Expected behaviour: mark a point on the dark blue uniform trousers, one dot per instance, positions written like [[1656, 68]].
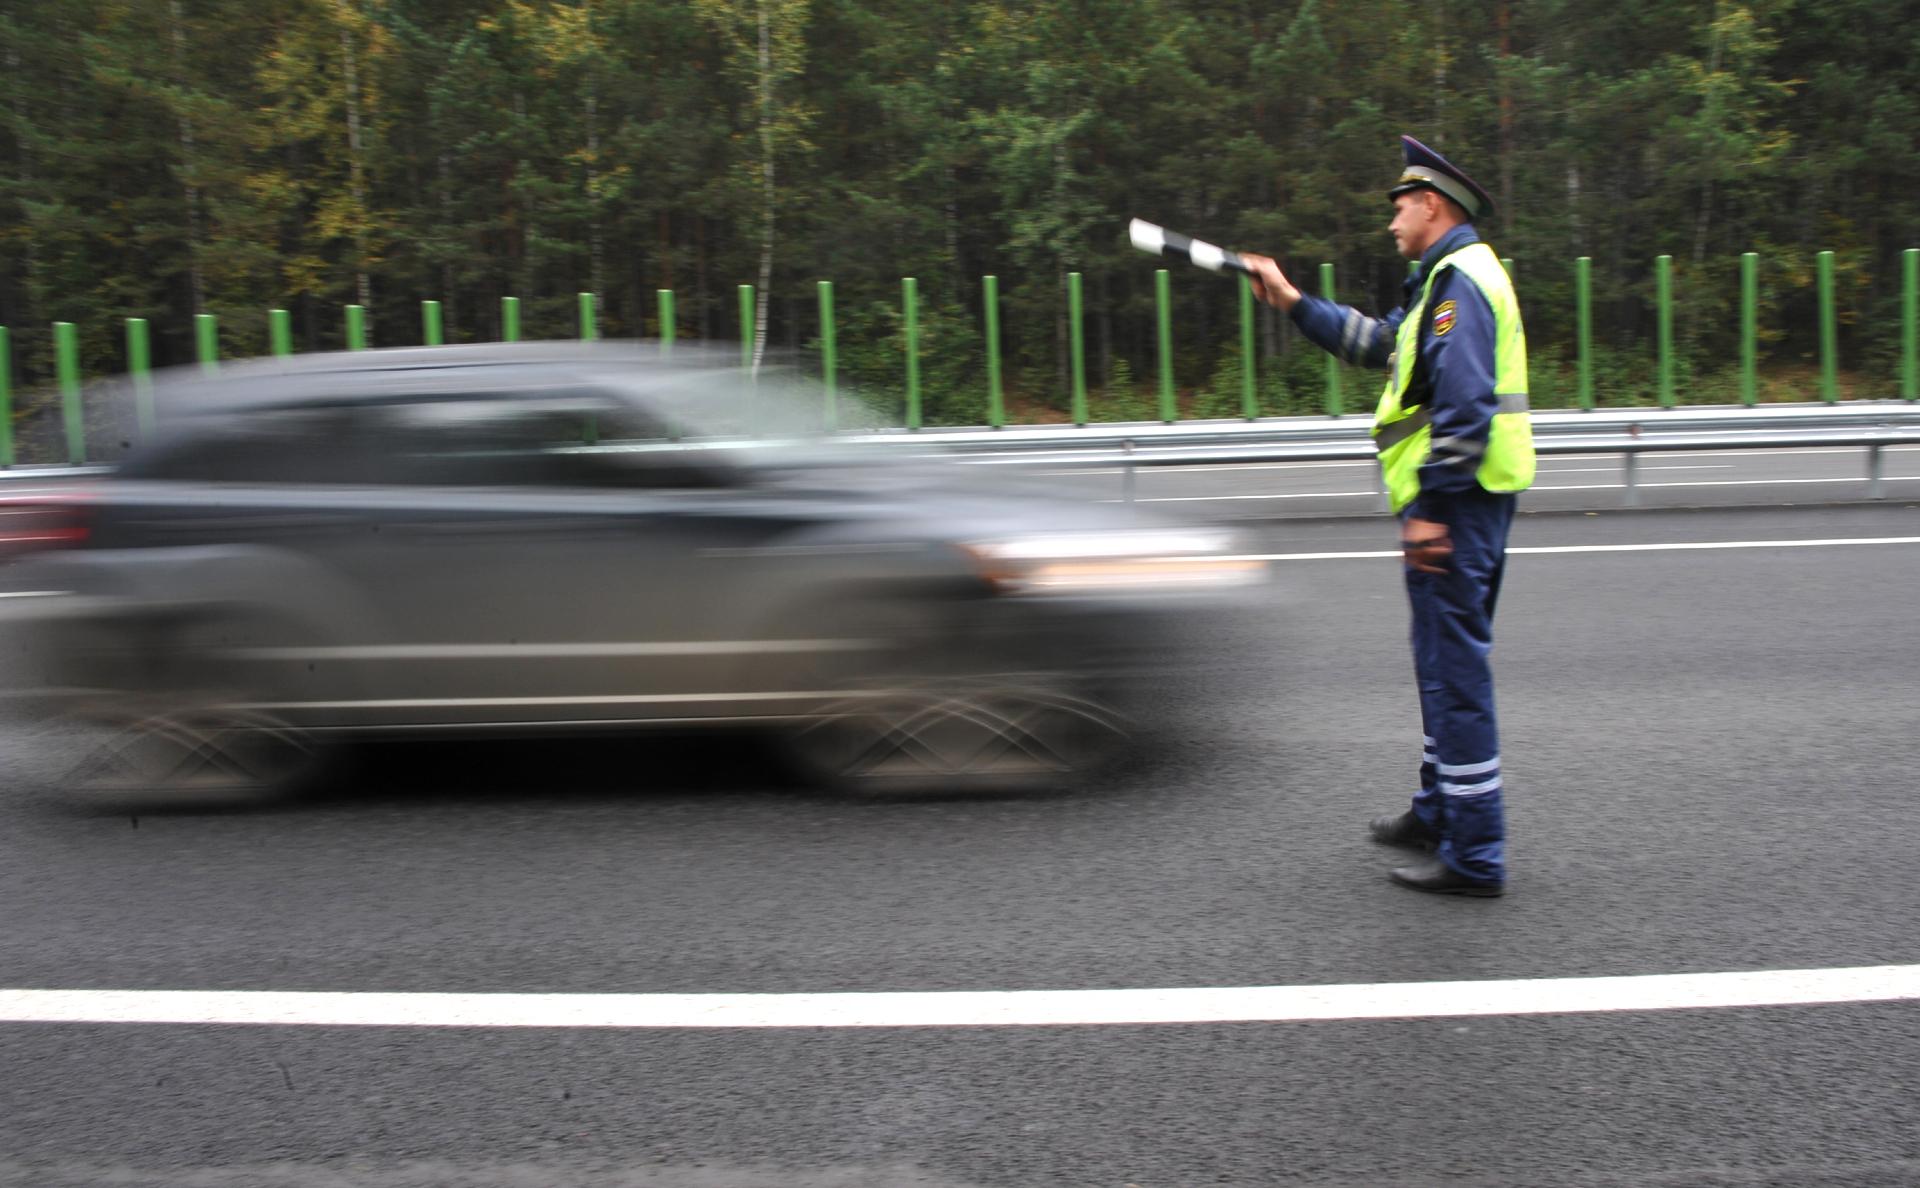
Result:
[[1452, 638]]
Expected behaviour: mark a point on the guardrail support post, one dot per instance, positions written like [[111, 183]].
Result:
[[206, 334], [430, 327], [746, 327], [1333, 361], [1749, 322], [1829, 343], [589, 319], [1630, 475], [910, 311], [280, 332], [1875, 470], [356, 328], [1076, 349], [1910, 324], [140, 369], [1663, 300], [66, 365], [1126, 471], [1583, 306], [666, 321], [829, 365], [6, 397], [990, 309], [509, 319], [1163, 310], [1249, 398]]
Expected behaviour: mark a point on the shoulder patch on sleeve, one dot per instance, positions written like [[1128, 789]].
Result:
[[1443, 316]]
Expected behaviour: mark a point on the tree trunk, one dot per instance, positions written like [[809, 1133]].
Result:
[[356, 170], [195, 280], [765, 62], [1503, 20]]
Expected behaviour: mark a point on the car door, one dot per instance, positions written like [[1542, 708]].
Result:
[[544, 561]]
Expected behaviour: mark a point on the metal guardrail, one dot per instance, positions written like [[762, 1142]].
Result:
[[1869, 425], [1637, 421], [1132, 456]]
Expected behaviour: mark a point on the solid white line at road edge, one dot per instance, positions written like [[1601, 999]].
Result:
[[1662, 547], [991, 1008]]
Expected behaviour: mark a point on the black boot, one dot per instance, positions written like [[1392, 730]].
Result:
[[1441, 879], [1406, 831]]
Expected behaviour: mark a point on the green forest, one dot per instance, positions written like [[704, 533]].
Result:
[[162, 158]]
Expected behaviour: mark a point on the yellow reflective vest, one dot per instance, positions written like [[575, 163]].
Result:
[[1404, 435]]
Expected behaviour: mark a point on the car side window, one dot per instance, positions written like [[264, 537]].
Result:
[[564, 442], [301, 446]]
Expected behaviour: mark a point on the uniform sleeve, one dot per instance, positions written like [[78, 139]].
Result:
[[1457, 355], [1345, 332]]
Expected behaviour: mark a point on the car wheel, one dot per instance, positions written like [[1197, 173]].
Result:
[[928, 708], [192, 754], [186, 723]]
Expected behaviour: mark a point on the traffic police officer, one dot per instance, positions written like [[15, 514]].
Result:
[[1455, 444]]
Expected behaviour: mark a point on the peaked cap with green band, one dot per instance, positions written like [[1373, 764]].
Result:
[[1428, 170]]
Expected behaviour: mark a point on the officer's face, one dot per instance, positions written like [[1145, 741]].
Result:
[[1413, 222]]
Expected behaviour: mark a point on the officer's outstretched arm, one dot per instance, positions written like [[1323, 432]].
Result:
[[1346, 332]]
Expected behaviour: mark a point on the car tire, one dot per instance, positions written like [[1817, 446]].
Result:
[[932, 706], [189, 734]]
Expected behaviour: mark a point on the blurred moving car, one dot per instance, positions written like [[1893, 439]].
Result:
[[524, 538]]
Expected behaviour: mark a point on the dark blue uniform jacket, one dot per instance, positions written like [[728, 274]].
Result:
[[1454, 378]]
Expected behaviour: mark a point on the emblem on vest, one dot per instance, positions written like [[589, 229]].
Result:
[[1442, 319]]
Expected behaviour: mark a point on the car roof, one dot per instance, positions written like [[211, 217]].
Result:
[[479, 370]]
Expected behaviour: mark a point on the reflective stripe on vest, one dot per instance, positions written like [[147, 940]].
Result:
[[1403, 436]]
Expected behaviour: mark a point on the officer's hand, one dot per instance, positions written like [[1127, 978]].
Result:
[[1425, 545], [1269, 283]]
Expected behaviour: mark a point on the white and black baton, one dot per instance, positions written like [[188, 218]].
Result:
[[1162, 242]]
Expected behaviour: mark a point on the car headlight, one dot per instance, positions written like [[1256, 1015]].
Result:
[[1088, 562]]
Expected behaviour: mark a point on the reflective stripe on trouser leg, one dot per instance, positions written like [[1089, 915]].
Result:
[[1452, 638]]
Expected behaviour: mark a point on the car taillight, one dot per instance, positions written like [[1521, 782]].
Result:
[[35, 525]]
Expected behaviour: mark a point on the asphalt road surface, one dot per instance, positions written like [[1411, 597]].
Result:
[[1711, 759]]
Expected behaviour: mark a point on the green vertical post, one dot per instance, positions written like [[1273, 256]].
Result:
[[1506, 264], [6, 398], [1749, 327], [666, 321], [140, 369], [1163, 314], [990, 303], [280, 332], [430, 327], [1663, 312], [1910, 324], [1076, 349], [829, 364], [356, 328], [1333, 361], [509, 319], [66, 365], [1249, 401], [1829, 334], [746, 327], [589, 322], [910, 311], [1583, 316], [206, 335]]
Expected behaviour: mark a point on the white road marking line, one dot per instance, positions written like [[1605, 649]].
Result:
[[1230, 498], [1662, 547], [1206, 466], [1616, 469], [987, 1008], [1892, 478]]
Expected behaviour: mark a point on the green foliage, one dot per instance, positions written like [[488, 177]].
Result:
[[159, 159]]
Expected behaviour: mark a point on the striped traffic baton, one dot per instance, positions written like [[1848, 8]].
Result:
[[1162, 242]]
